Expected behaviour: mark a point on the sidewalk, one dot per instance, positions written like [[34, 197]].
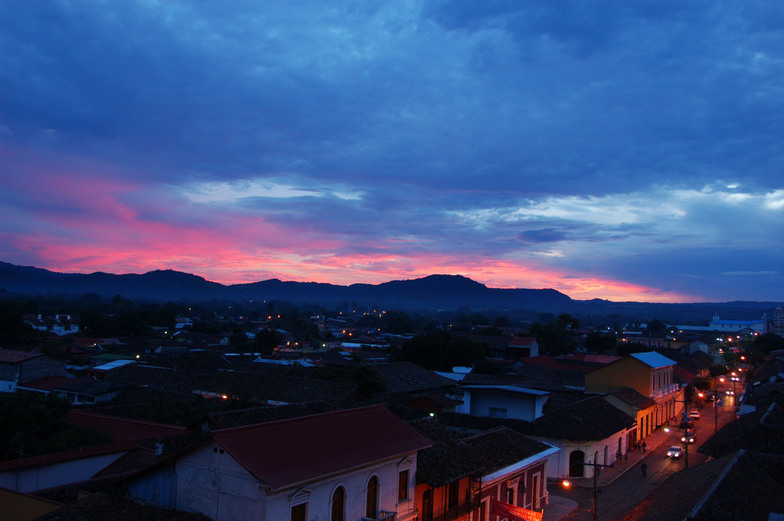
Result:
[[608, 475], [559, 506]]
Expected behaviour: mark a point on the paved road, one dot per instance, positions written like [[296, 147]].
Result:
[[621, 489]]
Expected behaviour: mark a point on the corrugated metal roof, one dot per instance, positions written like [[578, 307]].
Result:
[[653, 359]]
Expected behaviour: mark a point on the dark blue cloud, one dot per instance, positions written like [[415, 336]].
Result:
[[574, 135]]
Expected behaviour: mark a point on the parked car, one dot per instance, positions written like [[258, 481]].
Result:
[[694, 414], [689, 437], [675, 452]]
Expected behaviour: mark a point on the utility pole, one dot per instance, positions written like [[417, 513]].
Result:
[[596, 469]]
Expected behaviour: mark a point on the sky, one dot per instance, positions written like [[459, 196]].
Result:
[[629, 151]]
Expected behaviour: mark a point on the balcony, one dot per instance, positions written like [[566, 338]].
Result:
[[455, 512], [382, 516]]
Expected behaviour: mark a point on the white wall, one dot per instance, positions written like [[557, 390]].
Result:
[[217, 486], [57, 474]]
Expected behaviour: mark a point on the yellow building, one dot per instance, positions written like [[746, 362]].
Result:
[[651, 375]]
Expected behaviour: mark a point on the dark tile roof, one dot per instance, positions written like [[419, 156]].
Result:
[[760, 431], [121, 429], [267, 413], [536, 376], [289, 452], [408, 377], [589, 419], [732, 487], [146, 455], [634, 398], [280, 384], [762, 395], [452, 456], [102, 507]]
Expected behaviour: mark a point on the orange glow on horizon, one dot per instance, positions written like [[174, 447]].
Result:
[[232, 267]]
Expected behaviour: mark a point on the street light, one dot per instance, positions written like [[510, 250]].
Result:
[[596, 468]]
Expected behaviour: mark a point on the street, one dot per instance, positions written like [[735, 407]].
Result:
[[629, 486]]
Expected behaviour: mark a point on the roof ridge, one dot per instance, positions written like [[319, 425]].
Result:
[[299, 419]]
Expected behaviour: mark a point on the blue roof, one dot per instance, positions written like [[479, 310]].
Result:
[[653, 359]]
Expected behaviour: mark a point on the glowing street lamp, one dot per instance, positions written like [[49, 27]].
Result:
[[567, 484]]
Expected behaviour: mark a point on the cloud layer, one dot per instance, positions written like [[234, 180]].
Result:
[[620, 150]]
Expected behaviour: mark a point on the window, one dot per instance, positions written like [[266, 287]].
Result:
[[371, 501], [338, 505], [497, 412], [510, 496], [402, 485], [299, 512]]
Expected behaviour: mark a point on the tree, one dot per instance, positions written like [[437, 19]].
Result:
[[368, 380], [13, 329], [33, 424], [596, 342], [440, 351], [766, 343], [266, 341], [555, 338]]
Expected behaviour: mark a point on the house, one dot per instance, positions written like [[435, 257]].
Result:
[[460, 476], [587, 431], [337, 465], [502, 401], [18, 367], [634, 404], [90, 392], [650, 374], [54, 470], [522, 347]]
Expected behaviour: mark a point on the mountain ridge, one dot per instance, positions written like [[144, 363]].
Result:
[[437, 292]]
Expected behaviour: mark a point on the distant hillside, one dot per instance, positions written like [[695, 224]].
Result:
[[435, 292]]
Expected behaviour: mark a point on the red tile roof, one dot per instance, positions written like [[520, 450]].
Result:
[[289, 452], [50, 383], [122, 429]]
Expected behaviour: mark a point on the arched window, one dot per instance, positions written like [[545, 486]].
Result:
[[371, 502], [339, 505]]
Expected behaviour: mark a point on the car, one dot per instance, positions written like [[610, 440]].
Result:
[[694, 415], [689, 437], [675, 452], [730, 392]]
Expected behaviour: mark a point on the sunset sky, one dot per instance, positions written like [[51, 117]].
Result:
[[627, 150]]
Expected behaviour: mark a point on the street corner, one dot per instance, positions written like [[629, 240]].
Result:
[[558, 507]]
